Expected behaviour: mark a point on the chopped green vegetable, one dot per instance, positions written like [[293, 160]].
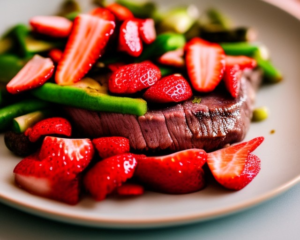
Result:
[[196, 100], [89, 83], [271, 74], [10, 65], [69, 6], [71, 16], [139, 8], [90, 99], [99, 3], [35, 46], [240, 48], [260, 114], [194, 31], [5, 45], [218, 18]]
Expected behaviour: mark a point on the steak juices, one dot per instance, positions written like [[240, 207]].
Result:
[[148, 93]]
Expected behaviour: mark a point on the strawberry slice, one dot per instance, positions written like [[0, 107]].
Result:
[[55, 172], [121, 13], [111, 146], [232, 79], [34, 74], [130, 189], [87, 40], [55, 54], [205, 64], [134, 77], [103, 13], [147, 30], [173, 88], [177, 173], [243, 62], [235, 167], [173, 58], [129, 38], [109, 174], [49, 126]]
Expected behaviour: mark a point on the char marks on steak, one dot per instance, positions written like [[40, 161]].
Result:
[[216, 121]]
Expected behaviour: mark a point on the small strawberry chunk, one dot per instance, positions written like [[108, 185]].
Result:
[[147, 30], [103, 13], [49, 126], [129, 38], [243, 62], [55, 54], [173, 88], [109, 174], [53, 26], [205, 64], [173, 58], [34, 74], [111, 146], [235, 167], [130, 189], [87, 40], [232, 79], [121, 13], [55, 172], [177, 173], [133, 78]]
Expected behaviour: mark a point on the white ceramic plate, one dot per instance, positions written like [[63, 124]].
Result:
[[279, 152]]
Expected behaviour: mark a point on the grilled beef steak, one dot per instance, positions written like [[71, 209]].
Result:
[[214, 122]]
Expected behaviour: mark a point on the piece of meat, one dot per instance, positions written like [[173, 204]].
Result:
[[216, 121]]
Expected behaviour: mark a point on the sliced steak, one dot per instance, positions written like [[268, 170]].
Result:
[[214, 122]]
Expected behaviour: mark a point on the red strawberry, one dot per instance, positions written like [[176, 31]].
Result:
[[177, 173], [103, 13], [129, 38], [115, 66], [134, 77], [147, 30], [243, 62], [232, 79], [111, 146], [130, 189], [173, 88], [121, 13], [86, 43], [34, 74], [49, 126], [55, 172], [109, 174], [53, 26], [172, 58], [235, 167], [55, 54], [205, 63]]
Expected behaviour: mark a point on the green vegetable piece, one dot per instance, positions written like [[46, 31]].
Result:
[[240, 48], [5, 45], [194, 31], [164, 43], [68, 6], [165, 71], [90, 99], [260, 114], [139, 8], [71, 16], [22, 123], [8, 113], [10, 65], [37, 46], [218, 18], [271, 73], [99, 3], [196, 100]]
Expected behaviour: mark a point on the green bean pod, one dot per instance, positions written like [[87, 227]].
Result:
[[140, 9]]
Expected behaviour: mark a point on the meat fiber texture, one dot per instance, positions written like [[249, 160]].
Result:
[[216, 121]]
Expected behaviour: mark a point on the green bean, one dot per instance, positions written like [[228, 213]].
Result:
[[140, 9]]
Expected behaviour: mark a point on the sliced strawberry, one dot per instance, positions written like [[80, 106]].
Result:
[[88, 38], [109, 174], [52, 26], [115, 66], [130, 189], [103, 13], [121, 13], [232, 79], [173, 88], [205, 63], [243, 62], [147, 30], [129, 38], [34, 74], [49, 126], [55, 54], [177, 173], [111, 146], [134, 77], [173, 58], [235, 167], [55, 172]]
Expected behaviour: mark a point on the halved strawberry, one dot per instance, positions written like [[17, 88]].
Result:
[[103, 13], [53, 26], [235, 167], [109, 174], [129, 38], [243, 62], [147, 30], [121, 13], [177, 173], [205, 64], [55, 171], [55, 54], [49, 126], [130, 189], [173, 88], [173, 58], [232, 79], [88, 38], [34, 74]]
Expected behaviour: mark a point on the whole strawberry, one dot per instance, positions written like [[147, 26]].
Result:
[[111, 146], [133, 78], [172, 88]]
